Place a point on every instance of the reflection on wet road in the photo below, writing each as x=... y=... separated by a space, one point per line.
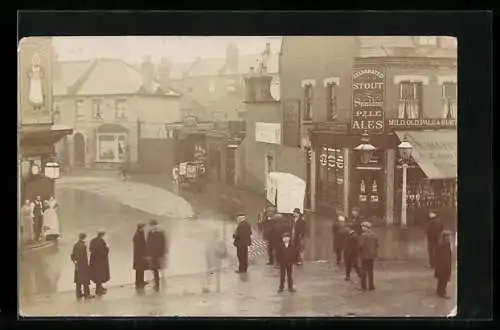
x=50 y=270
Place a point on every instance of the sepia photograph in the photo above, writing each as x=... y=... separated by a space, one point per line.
x=243 y=176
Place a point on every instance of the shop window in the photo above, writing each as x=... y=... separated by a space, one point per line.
x=97 y=109
x=331 y=101
x=121 y=108
x=308 y=100
x=111 y=147
x=331 y=177
x=449 y=93
x=410 y=100
x=79 y=110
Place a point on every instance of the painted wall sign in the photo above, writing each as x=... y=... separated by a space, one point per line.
x=34 y=80
x=291 y=123
x=431 y=123
x=368 y=90
x=268 y=133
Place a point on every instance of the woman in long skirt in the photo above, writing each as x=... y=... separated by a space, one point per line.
x=51 y=223
x=27 y=230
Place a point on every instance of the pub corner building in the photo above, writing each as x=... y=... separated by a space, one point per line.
x=386 y=112
x=37 y=134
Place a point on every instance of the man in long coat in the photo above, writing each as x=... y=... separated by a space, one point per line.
x=80 y=260
x=99 y=262
x=156 y=245
x=242 y=240
x=443 y=263
x=340 y=233
x=434 y=229
x=140 y=256
x=368 y=253
x=38 y=209
x=299 y=229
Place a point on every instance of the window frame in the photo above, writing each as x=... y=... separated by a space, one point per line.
x=116 y=139
x=123 y=111
x=331 y=100
x=99 y=102
x=427 y=40
x=447 y=100
x=80 y=110
x=416 y=96
x=307 y=100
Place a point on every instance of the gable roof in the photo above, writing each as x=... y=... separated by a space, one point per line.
x=179 y=70
x=66 y=74
x=102 y=77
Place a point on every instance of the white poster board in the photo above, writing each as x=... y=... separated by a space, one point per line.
x=288 y=190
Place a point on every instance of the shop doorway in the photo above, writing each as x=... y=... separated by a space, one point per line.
x=368 y=193
x=230 y=166
x=79 y=149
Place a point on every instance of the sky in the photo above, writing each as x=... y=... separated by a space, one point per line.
x=177 y=48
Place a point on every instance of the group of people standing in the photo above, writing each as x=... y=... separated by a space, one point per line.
x=355 y=243
x=285 y=242
x=39 y=220
x=149 y=253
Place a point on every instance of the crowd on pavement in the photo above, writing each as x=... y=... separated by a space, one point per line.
x=39 y=220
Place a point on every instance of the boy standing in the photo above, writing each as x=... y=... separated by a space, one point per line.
x=287 y=256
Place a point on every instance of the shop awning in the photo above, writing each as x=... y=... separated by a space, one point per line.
x=434 y=151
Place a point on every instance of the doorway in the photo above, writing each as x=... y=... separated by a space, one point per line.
x=79 y=149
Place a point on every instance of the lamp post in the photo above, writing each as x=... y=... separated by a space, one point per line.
x=405 y=149
x=306 y=144
x=52 y=170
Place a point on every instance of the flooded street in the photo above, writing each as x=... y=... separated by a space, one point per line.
x=50 y=270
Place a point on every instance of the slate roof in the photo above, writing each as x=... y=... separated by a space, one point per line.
x=405 y=46
x=101 y=77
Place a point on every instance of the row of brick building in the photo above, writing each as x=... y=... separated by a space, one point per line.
x=335 y=88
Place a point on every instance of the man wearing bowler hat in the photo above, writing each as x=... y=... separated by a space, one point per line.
x=79 y=257
x=140 y=256
x=157 y=249
x=242 y=240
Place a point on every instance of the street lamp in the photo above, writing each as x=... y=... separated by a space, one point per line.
x=52 y=170
x=405 y=149
x=365 y=149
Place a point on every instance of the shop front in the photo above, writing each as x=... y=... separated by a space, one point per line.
x=36 y=150
x=431 y=175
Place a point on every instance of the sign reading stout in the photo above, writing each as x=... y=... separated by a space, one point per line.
x=368 y=88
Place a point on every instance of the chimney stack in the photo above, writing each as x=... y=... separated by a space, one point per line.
x=268 y=48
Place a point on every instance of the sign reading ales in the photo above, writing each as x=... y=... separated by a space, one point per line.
x=368 y=88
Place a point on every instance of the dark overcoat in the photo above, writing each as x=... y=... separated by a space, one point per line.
x=156 y=246
x=442 y=269
x=340 y=235
x=243 y=234
x=80 y=259
x=99 y=260
x=434 y=229
x=140 y=251
x=351 y=247
x=299 y=229
x=287 y=255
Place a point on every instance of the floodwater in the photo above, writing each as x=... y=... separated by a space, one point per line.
x=51 y=270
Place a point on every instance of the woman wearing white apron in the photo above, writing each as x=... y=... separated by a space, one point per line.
x=51 y=223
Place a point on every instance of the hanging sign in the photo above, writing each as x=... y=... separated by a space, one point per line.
x=368 y=89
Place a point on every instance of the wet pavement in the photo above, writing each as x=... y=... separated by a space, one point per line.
x=83 y=210
x=321 y=291
x=89 y=203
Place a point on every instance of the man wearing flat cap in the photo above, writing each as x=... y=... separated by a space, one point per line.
x=99 y=262
x=140 y=256
x=368 y=254
x=340 y=233
x=80 y=259
x=157 y=249
x=242 y=240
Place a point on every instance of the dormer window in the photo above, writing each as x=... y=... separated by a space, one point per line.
x=427 y=41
